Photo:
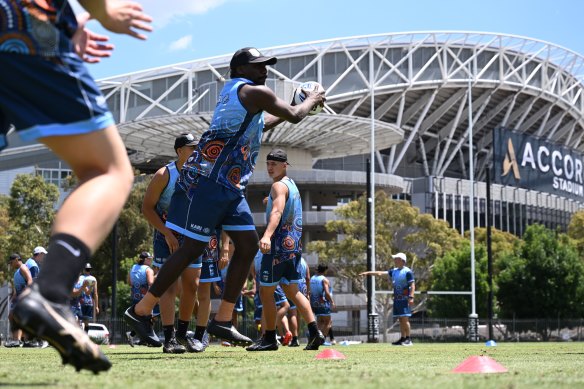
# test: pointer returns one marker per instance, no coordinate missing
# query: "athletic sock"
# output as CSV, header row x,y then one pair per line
x,y
331,334
312,328
200,332
270,336
181,330
66,257
294,339
168,333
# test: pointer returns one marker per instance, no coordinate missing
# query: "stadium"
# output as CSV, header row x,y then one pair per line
x,y
423,97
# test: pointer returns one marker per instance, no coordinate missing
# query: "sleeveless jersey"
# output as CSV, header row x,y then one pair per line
x,y
139,281
211,252
37,27
33,267
317,295
401,279
75,301
86,298
164,200
228,151
286,241
19,282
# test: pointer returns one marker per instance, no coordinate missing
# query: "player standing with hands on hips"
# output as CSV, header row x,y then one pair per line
x,y
47,94
404,287
210,190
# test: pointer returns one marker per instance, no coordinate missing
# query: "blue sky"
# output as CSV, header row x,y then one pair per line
x,y
192,29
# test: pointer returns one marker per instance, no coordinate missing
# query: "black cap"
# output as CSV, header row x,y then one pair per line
x,y
184,140
13,257
250,55
145,254
88,266
277,155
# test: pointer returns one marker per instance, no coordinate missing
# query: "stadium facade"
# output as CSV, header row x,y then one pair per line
x,y
422,94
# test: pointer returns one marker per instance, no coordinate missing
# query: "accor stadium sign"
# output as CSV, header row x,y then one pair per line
x,y
527,162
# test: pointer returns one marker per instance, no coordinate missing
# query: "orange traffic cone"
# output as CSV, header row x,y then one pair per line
x,y
479,364
330,353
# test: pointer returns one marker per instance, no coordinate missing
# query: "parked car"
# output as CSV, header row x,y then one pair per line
x,y
99,333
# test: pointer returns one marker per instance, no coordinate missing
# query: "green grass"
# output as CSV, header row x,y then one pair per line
x,y
530,365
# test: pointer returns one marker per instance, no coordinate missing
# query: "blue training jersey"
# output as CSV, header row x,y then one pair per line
x,y
37,27
287,238
228,151
139,284
317,293
211,252
164,199
33,267
402,280
86,298
19,282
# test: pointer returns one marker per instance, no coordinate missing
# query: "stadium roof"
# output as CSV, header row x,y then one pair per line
x,y
420,84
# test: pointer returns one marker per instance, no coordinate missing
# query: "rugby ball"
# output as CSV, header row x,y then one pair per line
x,y
90,280
299,95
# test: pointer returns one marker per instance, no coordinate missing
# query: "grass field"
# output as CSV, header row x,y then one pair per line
x,y
530,365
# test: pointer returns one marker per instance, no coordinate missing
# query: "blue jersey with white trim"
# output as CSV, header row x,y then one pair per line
x,y
227,152
402,280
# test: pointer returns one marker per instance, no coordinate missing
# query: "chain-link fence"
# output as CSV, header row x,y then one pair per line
x,y
422,330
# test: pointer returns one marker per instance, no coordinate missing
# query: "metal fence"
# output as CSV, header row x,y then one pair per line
x,y
422,330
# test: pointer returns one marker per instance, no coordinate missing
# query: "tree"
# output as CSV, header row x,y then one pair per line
x,y
398,227
31,210
576,231
452,273
134,235
542,278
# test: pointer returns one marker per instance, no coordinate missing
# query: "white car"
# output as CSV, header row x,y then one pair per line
x,y
99,333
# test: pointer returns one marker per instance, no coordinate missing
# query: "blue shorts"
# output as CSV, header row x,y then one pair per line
x,y
49,97
321,311
274,271
401,308
162,252
212,206
279,298
86,312
210,272
76,312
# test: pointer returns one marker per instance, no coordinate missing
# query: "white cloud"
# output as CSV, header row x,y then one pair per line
x,y
164,11
181,43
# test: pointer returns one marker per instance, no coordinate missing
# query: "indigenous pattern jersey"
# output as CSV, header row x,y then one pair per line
x,y
19,282
86,298
303,267
139,281
228,151
317,295
286,241
37,27
33,266
401,279
211,253
75,301
164,200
